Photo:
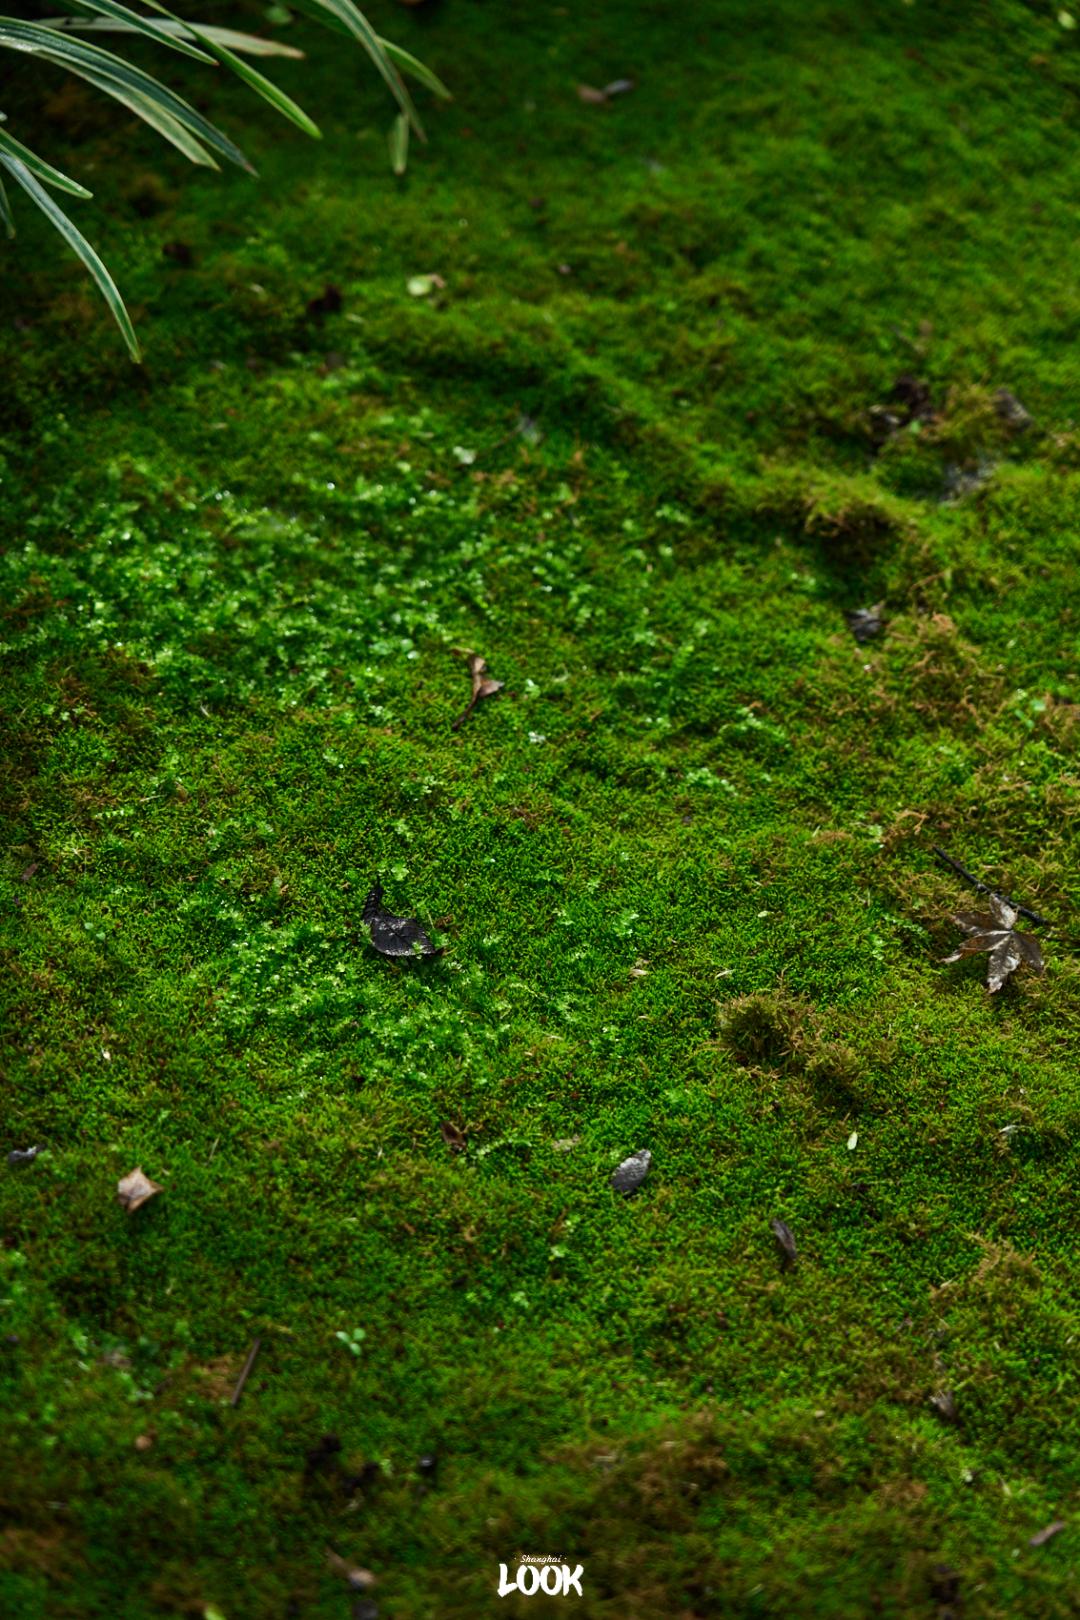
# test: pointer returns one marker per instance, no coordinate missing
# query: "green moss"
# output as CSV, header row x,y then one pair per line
x,y
679,865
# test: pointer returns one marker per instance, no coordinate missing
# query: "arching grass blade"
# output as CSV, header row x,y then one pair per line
x,y
79,245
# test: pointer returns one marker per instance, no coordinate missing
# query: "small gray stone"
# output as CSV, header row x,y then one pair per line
x,y
632,1172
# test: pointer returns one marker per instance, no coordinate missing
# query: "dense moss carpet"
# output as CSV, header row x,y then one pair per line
x,y
642,445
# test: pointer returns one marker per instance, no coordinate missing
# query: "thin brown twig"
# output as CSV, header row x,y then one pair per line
x,y
243,1378
984,888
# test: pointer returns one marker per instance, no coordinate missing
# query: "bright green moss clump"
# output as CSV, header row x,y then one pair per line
x,y
680,865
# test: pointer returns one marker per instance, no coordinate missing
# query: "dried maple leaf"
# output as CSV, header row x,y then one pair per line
x,y
135,1189
483,686
394,936
995,931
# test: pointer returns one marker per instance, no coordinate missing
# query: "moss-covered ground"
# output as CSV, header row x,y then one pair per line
x,y
681,866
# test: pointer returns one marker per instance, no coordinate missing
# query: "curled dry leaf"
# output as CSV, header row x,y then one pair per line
x,y
394,936
361,1580
632,1172
785,1241
483,686
596,98
136,1189
995,931
19,1158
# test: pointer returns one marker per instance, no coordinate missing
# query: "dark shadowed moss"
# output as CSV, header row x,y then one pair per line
x,y
679,866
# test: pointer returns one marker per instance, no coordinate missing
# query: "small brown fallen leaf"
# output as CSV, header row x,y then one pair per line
x,y
483,686
453,1136
995,931
143,1442
135,1189
1047,1533
785,1242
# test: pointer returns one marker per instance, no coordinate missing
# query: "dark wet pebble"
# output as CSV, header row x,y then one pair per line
x,y
632,1172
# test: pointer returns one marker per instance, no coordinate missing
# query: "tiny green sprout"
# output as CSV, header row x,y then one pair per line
x,y
352,1341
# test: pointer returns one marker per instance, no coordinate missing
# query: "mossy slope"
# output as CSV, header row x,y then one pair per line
x,y
680,865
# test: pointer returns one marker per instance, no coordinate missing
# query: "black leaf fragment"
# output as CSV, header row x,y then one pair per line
x,y
911,395
632,1172
394,936
865,623
944,1584
909,401
180,253
329,302
785,1242
323,1454
944,1404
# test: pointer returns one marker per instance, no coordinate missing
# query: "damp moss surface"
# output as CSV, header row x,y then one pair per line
x,y
636,437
